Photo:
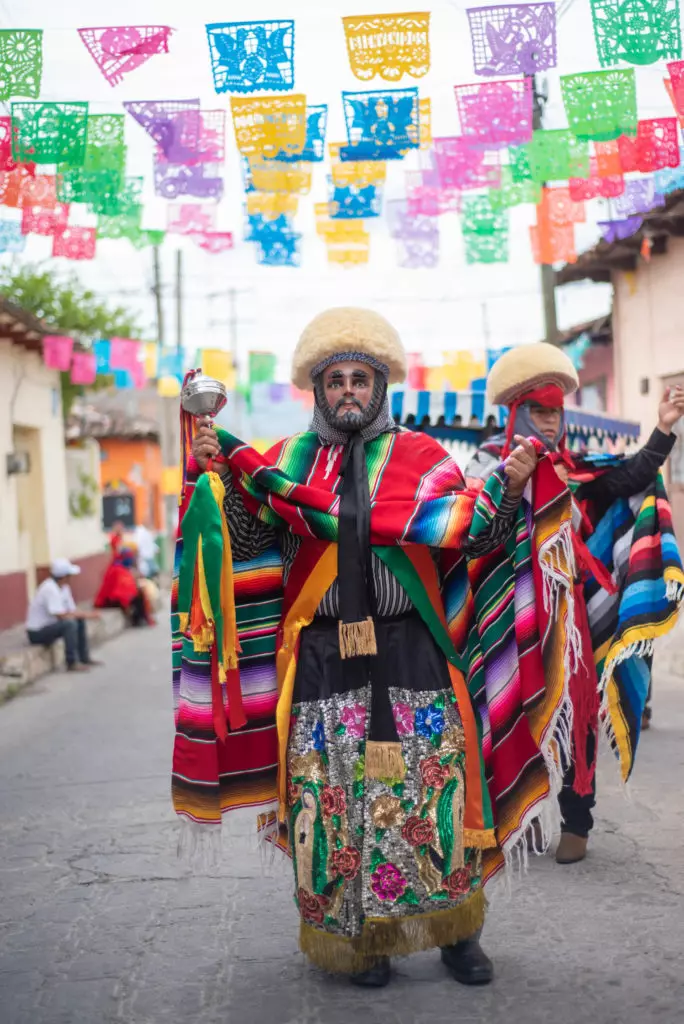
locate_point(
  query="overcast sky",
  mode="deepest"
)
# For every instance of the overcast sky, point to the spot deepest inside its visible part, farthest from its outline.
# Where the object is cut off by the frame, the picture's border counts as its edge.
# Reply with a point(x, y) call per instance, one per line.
point(452, 307)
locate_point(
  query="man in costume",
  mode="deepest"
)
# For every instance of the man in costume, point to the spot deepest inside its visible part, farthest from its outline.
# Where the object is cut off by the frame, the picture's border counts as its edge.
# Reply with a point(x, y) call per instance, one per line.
point(340, 664)
point(624, 552)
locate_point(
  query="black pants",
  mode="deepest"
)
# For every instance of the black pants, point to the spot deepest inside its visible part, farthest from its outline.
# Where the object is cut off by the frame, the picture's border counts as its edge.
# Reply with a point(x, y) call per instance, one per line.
point(72, 632)
point(576, 810)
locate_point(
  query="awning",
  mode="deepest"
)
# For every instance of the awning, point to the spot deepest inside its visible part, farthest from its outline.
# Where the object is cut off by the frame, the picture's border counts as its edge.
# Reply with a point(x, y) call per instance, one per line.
point(471, 409)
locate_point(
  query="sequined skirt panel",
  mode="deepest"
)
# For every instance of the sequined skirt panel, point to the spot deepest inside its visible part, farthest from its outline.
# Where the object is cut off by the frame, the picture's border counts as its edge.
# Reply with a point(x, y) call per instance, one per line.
point(370, 850)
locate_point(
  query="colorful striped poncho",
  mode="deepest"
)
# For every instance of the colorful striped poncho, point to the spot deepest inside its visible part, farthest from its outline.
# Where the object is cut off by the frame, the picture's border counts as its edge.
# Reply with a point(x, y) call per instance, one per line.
point(634, 539)
point(504, 624)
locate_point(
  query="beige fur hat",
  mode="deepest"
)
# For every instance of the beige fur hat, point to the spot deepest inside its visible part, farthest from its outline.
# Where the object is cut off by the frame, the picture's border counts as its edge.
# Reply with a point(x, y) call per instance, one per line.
point(527, 367)
point(346, 329)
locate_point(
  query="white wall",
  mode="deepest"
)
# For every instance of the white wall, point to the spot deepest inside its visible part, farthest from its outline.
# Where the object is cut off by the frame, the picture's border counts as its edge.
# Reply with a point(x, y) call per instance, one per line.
point(30, 398)
point(648, 329)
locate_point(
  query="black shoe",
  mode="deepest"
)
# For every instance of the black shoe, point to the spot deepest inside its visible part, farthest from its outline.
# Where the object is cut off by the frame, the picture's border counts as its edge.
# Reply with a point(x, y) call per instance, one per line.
point(468, 963)
point(376, 976)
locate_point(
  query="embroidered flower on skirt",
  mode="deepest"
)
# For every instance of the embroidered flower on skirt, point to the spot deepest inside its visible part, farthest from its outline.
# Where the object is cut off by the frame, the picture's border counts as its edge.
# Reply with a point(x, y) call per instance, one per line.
point(354, 720)
point(403, 717)
point(347, 861)
point(433, 773)
point(386, 811)
point(457, 883)
point(429, 721)
point(333, 800)
point(388, 883)
point(311, 906)
point(418, 831)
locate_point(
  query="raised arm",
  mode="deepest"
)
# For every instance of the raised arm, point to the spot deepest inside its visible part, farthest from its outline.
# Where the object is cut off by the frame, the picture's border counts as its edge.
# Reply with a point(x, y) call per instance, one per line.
point(249, 537)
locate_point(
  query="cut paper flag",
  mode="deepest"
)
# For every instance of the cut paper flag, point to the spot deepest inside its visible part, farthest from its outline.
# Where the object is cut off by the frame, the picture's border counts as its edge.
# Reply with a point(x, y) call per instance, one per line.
point(640, 196)
point(274, 176)
point(513, 193)
point(553, 243)
point(496, 113)
point(42, 220)
point(416, 371)
point(462, 165)
point(174, 180)
point(513, 39)
point(268, 125)
point(388, 45)
point(124, 353)
point(38, 190)
point(170, 362)
point(151, 359)
point(271, 204)
point(105, 148)
point(83, 368)
point(12, 239)
point(49, 133)
point(248, 56)
point(12, 184)
point(21, 63)
point(424, 194)
point(656, 146)
point(677, 103)
point(217, 363)
point(313, 150)
point(214, 242)
point(173, 124)
point(381, 124)
point(485, 230)
point(187, 218)
point(354, 201)
point(636, 31)
point(354, 172)
point(601, 105)
point(74, 243)
point(7, 162)
point(607, 156)
point(596, 186)
point(556, 155)
point(262, 367)
point(120, 49)
point(618, 230)
point(676, 83)
point(102, 353)
point(57, 352)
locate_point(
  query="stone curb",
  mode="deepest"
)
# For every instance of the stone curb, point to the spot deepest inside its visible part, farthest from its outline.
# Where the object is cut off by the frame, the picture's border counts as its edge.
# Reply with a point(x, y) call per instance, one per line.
point(23, 665)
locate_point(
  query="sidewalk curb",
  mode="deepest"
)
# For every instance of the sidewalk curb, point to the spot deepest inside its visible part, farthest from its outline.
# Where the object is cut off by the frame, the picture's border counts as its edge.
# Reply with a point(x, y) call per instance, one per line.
point(25, 665)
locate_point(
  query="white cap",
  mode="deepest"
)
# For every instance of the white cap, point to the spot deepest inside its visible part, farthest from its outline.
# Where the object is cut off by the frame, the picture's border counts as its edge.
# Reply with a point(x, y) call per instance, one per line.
point(62, 567)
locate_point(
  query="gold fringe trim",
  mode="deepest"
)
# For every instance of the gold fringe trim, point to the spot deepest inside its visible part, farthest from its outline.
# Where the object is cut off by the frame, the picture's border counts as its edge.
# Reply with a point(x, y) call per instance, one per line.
point(357, 639)
point(183, 621)
point(392, 936)
point(479, 839)
point(384, 761)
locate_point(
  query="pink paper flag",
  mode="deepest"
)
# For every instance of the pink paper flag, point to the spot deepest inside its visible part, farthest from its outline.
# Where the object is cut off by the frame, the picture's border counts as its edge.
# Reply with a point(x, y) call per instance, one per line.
point(119, 50)
point(138, 374)
point(75, 243)
point(124, 354)
point(83, 368)
point(214, 241)
point(57, 351)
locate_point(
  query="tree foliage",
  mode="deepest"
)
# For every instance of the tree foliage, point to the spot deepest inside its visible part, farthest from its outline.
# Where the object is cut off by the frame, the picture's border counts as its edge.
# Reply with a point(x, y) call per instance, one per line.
point(65, 305)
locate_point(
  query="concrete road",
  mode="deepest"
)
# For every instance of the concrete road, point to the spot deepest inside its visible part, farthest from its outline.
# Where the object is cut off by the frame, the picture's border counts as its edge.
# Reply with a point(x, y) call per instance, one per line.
point(99, 922)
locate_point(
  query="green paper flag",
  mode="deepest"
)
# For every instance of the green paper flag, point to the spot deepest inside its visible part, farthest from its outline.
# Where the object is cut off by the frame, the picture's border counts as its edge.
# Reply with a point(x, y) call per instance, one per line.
point(601, 105)
point(557, 155)
point(49, 133)
point(262, 367)
point(21, 62)
point(637, 31)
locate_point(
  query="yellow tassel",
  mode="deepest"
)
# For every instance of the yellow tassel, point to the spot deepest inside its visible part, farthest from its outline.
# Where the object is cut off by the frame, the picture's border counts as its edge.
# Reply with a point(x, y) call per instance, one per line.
point(479, 839)
point(384, 761)
point(357, 639)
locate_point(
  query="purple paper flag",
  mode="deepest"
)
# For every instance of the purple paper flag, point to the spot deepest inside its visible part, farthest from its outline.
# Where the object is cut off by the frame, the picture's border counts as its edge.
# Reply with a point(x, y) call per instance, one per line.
point(513, 39)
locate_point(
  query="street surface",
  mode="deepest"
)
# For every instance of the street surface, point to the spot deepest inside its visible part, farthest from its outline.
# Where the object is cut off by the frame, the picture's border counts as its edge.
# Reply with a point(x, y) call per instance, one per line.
point(99, 922)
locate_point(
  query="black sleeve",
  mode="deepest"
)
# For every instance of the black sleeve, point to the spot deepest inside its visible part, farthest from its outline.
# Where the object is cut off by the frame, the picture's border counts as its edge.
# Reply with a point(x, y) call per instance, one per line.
point(633, 475)
point(248, 535)
point(498, 531)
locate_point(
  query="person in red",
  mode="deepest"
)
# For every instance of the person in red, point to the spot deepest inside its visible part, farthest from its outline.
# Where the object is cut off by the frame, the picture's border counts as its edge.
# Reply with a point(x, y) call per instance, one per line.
point(611, 531)
point(120, 587)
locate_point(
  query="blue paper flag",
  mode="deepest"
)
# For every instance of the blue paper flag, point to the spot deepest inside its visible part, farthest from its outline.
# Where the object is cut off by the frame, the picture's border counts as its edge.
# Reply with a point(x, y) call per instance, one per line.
point(382, 124)
point(247, 56)
point(102, 350)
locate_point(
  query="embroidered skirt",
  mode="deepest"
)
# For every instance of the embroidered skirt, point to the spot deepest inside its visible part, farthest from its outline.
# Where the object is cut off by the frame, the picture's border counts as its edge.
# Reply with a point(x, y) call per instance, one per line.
point(380, 867)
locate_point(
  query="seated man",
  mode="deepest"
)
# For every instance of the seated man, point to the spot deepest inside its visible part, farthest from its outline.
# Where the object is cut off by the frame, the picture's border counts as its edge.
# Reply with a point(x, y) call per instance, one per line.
point(53, 614)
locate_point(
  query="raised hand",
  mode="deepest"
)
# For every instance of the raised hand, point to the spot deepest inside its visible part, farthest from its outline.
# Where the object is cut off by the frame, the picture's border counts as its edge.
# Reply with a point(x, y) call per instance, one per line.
point(671, 408)
point(205, 444)
point(520, 465)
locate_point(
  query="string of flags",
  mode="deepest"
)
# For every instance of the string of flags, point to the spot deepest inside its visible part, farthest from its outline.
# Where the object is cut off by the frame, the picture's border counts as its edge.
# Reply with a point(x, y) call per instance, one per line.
point(57, 155)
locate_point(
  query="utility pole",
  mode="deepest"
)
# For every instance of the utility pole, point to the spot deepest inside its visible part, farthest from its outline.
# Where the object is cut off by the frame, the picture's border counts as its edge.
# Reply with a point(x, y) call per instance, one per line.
point(158, 296)
point(179, 299)
point(547, 273)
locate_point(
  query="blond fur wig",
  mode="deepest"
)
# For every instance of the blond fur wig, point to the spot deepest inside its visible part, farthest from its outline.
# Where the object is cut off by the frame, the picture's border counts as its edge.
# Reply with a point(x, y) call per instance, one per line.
point(347, 329)
point(528, 367)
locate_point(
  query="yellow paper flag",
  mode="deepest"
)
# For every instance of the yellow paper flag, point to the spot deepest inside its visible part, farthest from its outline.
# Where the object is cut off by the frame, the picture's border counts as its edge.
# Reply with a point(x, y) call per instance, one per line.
point(168, 387)
point(218, 363)
point(151, 360)
point(171, 480)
